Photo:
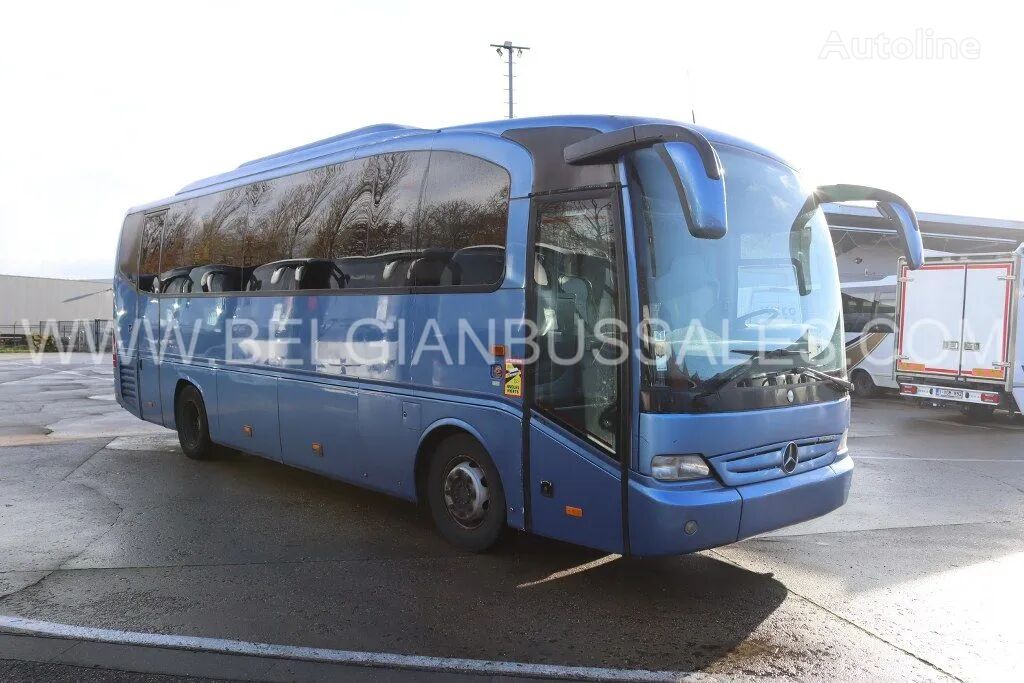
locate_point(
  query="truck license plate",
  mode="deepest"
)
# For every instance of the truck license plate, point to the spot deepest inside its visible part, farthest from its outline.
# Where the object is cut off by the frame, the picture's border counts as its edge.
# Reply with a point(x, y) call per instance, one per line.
point(949, 393)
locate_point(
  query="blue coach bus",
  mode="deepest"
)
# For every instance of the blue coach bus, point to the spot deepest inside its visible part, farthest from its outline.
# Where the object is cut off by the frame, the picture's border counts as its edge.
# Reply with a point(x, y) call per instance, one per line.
point(624, 333)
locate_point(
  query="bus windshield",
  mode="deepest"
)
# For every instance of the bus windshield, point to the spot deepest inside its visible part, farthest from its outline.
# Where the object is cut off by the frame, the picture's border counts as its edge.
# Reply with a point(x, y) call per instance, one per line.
point(738, 313)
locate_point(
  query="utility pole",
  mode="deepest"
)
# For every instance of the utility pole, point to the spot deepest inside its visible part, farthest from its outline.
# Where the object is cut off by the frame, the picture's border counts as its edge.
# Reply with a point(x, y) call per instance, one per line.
point(509, 47)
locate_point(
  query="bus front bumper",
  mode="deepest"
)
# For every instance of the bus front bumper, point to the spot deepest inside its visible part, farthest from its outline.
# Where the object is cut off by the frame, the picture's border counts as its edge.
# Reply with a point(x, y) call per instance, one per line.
point(661, 515)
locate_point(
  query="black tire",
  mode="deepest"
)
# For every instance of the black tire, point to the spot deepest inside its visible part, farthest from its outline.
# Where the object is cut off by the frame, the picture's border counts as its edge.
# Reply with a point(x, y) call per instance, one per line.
point(977, 413)
point(193, 425)
point(460, 471)
point(863, 385)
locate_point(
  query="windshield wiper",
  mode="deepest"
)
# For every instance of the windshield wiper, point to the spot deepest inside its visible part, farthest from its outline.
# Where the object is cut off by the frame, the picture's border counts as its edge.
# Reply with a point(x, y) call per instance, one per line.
point(734, 373)
point(738, 371)
point(838, 382)
point(802, 369)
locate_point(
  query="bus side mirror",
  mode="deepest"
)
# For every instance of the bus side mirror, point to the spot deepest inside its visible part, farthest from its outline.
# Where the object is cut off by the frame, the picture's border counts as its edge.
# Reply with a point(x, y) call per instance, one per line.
point(690, 158)
point(903, 216)
point(892, 207)
point(701, 195)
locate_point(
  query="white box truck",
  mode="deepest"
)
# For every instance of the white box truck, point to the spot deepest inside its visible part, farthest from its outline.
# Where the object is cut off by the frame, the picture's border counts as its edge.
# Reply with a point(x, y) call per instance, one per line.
point(957, 338)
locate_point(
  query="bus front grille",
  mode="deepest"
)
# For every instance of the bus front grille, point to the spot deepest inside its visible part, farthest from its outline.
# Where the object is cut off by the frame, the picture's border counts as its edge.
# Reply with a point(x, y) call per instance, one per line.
point(765, 463)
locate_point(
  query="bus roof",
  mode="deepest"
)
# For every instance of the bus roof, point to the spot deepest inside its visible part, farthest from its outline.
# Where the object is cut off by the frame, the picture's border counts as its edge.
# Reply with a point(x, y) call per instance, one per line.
point(380, 133)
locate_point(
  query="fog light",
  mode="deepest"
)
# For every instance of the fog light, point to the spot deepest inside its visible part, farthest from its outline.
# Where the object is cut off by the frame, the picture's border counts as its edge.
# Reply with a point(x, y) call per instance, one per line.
point(679, 467)
point(908, 389)
point(990, 398)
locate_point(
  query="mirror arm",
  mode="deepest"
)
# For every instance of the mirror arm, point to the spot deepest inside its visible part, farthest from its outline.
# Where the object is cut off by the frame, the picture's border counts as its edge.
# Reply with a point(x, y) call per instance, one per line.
point(890, 205)
point(608, 147)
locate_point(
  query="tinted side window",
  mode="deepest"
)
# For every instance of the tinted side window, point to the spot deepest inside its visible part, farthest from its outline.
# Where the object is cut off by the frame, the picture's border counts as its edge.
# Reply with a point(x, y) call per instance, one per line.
point(363, 233)
point(202, 244)
point(149, 252)
point(461, 240)
point(300, 224)
point(394, 186)
point(128, 248)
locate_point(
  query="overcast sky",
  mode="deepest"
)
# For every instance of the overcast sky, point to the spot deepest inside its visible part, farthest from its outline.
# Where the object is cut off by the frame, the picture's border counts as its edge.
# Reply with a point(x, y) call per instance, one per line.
point(104, 106)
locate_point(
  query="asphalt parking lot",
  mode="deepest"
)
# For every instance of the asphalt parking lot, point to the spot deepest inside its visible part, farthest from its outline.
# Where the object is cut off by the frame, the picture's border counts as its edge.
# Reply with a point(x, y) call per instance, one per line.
point(104, 524)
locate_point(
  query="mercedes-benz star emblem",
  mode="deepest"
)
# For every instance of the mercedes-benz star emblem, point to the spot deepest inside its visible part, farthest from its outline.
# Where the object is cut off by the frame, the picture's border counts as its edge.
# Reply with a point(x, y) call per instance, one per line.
point(790, 396)
point(790, 458)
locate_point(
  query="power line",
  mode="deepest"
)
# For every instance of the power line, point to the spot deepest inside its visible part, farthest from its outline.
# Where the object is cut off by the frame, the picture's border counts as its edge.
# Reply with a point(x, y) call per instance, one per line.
point(507, 46)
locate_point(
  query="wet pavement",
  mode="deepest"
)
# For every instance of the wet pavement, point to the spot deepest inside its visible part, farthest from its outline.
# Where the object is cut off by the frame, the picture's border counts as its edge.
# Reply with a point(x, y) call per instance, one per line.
point(104, 523)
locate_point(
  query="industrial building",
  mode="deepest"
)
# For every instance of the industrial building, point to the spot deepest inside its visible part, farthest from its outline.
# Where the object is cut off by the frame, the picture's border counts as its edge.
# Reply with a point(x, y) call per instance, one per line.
point(42, 298)
point(72, 312)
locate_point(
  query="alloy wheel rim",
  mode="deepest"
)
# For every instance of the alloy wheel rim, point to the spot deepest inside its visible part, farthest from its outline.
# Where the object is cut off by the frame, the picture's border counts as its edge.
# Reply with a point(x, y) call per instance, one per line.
point(465, 493)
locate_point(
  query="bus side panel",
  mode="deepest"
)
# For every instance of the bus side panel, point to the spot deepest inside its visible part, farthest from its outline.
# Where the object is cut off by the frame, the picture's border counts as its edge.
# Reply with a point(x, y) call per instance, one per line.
point(203, 377)
point(584, 503)
point(323, 414)
point(247, 412)
point(454, 334)
point(193, 338)
point(388, 443)
point(149, 356)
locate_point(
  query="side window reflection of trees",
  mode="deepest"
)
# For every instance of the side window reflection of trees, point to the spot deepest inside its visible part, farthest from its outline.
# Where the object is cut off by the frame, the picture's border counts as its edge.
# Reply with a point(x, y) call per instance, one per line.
point(379, 222)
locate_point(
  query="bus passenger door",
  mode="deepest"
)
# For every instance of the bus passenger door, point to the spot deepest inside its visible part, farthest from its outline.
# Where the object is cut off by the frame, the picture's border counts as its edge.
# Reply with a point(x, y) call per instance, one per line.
point(574, 389)
point(149, 320)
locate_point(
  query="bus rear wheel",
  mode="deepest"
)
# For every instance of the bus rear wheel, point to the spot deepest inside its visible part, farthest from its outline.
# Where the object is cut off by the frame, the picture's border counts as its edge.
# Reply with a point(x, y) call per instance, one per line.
point(464, 493)
point(193, 425)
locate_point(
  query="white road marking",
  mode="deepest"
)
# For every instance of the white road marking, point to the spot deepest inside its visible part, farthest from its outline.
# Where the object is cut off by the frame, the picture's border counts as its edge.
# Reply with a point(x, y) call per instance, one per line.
point(908, 457)
point(352, 657)
point(953, 424)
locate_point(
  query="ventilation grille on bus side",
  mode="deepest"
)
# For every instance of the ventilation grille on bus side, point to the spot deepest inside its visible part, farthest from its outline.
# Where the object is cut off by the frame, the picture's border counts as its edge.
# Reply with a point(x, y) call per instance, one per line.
point(765, 463)
point(129, 388)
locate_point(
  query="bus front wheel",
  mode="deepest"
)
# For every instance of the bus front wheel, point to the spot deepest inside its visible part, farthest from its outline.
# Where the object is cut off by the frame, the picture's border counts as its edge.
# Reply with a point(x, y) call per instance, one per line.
point(193, 425)
point(465, 495)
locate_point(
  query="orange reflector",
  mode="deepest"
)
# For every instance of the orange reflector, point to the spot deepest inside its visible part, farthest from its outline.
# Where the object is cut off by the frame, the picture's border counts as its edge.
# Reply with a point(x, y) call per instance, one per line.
point(247, 430)
point(985, 372)
point(573, 511)
point(318, 449)
point(910, 367)
point(498, 350)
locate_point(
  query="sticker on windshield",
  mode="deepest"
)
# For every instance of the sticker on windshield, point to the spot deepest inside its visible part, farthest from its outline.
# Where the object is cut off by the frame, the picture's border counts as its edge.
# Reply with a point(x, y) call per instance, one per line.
point(513, 381)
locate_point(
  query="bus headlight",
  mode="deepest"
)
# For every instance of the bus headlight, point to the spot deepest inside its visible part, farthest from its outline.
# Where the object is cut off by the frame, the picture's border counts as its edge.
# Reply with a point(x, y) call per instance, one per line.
point(679, 467)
